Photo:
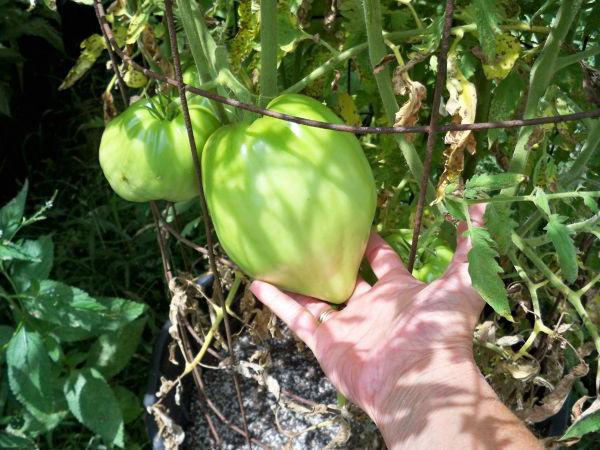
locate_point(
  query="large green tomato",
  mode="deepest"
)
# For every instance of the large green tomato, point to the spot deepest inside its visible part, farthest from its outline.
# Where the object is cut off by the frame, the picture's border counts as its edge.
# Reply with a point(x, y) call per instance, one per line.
point(292, 205)
point(145, 153)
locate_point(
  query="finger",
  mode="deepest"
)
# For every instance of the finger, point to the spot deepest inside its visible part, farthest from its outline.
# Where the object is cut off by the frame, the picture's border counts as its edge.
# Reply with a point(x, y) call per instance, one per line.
point(383, 259)
point(463, 243)
point(314, 306)
point(295, 316)
point(362, 287)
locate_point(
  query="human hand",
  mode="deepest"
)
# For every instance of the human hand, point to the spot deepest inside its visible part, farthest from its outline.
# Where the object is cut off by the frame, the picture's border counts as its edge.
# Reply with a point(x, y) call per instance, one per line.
point(402, 351)
point(389, 331)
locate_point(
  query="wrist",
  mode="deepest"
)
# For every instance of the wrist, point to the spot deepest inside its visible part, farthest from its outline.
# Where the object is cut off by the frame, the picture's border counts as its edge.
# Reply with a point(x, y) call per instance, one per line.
point(447, 379)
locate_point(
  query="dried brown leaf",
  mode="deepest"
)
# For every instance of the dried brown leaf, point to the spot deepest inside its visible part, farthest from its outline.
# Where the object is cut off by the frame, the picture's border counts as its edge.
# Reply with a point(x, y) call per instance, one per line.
point(551, 404)
point(462, 106)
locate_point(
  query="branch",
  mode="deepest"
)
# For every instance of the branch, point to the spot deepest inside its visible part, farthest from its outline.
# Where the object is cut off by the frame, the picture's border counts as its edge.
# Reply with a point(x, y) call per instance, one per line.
point(433, 129)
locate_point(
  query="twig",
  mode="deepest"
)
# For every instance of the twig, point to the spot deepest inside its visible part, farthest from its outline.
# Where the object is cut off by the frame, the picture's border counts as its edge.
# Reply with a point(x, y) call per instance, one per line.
point(340, 127)
point(207, 222)
point(193, 245)
point(111, 53)
point(433, 129)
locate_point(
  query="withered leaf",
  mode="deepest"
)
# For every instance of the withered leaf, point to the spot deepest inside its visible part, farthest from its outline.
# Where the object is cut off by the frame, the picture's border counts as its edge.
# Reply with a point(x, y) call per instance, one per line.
point(462, 105)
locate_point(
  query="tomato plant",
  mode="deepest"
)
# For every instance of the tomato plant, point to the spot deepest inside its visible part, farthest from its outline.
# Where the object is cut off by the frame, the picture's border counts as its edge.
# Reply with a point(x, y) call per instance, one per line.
point(145, 154)
point(292, 205)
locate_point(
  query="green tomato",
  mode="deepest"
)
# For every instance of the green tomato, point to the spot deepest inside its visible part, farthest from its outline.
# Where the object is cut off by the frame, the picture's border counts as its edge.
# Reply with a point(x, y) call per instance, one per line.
point(292, 205)
point(435, 264)
point(434, 260)
point(145, 153)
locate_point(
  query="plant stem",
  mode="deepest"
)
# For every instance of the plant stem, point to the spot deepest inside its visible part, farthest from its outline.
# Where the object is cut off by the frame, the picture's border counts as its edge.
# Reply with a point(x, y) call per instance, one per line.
point(377, 50)
point(566, 61)
point(542, 72)
point(592, 143)
point(555, 281)
point(531, 198)
point(575, 227)
point(268, 51)
point(198, 52)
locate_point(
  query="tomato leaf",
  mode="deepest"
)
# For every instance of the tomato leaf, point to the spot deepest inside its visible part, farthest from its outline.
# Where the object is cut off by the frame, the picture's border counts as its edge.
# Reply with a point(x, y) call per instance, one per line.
point(93, 403)
point(32, 377)
point(499, 222)
point(492, 182)
point(566, 253)
point(588, 422)
point(92, 48)
point(505, 100)
point(484, 13)
point(11, 214)
point(484, 271)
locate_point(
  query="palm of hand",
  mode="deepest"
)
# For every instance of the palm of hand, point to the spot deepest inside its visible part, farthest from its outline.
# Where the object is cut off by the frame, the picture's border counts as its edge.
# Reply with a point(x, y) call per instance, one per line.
point(390, 331)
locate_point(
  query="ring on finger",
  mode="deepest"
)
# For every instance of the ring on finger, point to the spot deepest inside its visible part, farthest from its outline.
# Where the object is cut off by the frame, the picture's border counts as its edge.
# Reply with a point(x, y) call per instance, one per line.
point(325, 315)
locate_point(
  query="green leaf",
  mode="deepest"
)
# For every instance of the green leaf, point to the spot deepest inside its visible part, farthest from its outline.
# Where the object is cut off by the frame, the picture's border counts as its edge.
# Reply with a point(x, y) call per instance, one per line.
point(500, 224)
point(70, 308)
point(11, 214)
point(492, 182)
point(589, 422)
point(484, 13)
point(130, 404)
point(566, 253)
point(6, 333)
point(32, 377)
point(541, 201)
point(112, 351)
point(24, 273)
point(10, 251)
point(505, 100)
point(455, 208)
point(92, 48)
point(93, 403)
point(12, 442)
point(591, 203)
point(484, 271)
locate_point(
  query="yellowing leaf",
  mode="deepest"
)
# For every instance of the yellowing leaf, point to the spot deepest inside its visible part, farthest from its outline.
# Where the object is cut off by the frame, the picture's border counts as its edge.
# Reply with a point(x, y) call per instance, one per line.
point(134, 78)
point(462, 105)
point(508, 49)
point(347, 109)
point(93, 47)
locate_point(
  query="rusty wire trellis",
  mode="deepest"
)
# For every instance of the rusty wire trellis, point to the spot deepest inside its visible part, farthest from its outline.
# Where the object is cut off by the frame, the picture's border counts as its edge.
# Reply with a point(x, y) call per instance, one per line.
point(432, 130)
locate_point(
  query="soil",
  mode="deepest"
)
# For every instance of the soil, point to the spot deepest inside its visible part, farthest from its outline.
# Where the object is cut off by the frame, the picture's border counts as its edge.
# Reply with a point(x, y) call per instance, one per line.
point(295, 371)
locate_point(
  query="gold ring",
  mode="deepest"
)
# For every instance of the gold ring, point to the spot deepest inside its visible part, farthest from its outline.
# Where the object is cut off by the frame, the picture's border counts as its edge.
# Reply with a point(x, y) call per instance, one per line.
point(325, 315)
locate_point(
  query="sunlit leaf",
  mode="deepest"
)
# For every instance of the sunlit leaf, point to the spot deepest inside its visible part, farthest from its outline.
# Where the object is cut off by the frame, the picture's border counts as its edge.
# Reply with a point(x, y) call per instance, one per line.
point(508, 49)
point(93, 403)
point(93, 46)
point(484, 272)
point(566, 253)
